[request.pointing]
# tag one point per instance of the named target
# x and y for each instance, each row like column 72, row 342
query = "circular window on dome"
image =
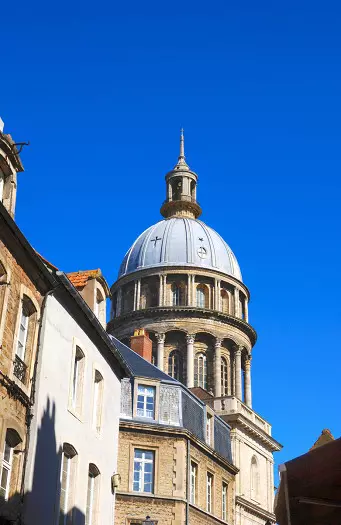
column 202, row 252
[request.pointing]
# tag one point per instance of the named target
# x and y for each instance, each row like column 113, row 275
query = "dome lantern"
column 181, row 183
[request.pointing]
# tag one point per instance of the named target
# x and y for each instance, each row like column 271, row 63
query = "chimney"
column 141, row 344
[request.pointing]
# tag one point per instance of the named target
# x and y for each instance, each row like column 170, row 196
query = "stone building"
column 175, row 458
column 24, row 281
column 181, row 283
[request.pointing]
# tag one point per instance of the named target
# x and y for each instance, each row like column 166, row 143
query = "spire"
column 181, row 158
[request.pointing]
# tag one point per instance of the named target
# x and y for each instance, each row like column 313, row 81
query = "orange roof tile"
column 79, row 279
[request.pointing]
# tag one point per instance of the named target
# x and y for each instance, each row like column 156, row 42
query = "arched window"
column 175, row 365
column 193, row 190
column 200, row 371
column 91, row 516
column 225, row 301
column 97, row 401
column 12, row 439
column 178, row 291
column 224, row 377
column 78, row 366
column 25, row 339
column 99, row 309
column 176, row 189
column 3, row 293
column 254, row 478
column 67, row 484
column 202, row 296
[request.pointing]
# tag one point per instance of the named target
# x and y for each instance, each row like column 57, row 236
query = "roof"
column 201, row 393
column 47, row 263
column 325, row 437
column 80, row 279
column 180, row 241
column 313, row 483
column 138, row 366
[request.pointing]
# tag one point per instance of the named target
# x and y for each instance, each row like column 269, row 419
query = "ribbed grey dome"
column 180, row 242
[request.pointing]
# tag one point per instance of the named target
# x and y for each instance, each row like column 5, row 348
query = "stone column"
column 247, row 382
column 160, row 338
column 218, row 295
column 165, row 302
column 217, row 367
column 190, row 360
column 119, row 302
column 238, row 368
column 160, row 290
column 236, row 303
column 215, row 294
column 246, row 310
column 138, row 295
column 193, row 293
column 135, row 295
column 189, row 289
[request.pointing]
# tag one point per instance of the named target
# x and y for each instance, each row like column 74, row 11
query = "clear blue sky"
column 101, row 90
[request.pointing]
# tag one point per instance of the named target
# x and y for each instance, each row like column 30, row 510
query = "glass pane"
column 149, row 455
column 4, row 478
column 7, row 452
column 138, row 453
column 148, row 467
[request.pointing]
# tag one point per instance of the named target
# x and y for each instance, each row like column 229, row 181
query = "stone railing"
column 233, row 405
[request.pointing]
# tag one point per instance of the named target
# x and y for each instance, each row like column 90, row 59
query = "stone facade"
column 182, row 284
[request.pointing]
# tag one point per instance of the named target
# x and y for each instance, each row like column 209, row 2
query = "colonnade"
column 238, row 351
column 214, row 295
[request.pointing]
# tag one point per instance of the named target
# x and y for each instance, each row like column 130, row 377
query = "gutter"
column 188, row 488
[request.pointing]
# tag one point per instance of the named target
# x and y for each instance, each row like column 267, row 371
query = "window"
column 254, row 478
column 193, row 487
column 178, row 294
column 12, row 440
column 201, row 298
column 225, row 301
column 209, row 492
column 224, row 376
column 77, row 379
column 3, row 293
column 174, row 365
column 1, row 185
column 92, row 496
column 97, row 402
column 143, row 471
column 209, row 428
column 22, row 336
column 224, row 501
column 200, row 371
column 145, row 401
column 67, row 475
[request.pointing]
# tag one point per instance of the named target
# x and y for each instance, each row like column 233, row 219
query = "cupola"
column 181, row 184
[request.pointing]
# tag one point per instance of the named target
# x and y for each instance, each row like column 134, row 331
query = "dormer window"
column 146, row 401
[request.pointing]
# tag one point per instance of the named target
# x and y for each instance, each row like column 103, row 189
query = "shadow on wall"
column 41, row 505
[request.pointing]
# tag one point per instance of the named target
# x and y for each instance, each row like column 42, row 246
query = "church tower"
column 181, row 283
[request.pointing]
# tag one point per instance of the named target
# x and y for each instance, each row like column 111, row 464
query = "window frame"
column 200, row 376
column 193, row 491
column 224, row 500
column 76, row 395
column 91, row 510
column 175, row 364
column 71, row 454
column 209, row 492
column 142, row 391
column 6, row 466
column 97, row 400
column 143, row 461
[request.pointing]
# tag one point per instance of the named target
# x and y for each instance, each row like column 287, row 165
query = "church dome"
column 180, row 241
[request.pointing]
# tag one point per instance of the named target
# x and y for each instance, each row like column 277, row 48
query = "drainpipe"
column 188, row 488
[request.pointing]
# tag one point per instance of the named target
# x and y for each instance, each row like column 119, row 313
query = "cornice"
column 252, row 430
column 131, row 426
column 255, row 509
column 183, row 312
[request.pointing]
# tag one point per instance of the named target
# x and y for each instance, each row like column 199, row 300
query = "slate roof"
column 139, row 366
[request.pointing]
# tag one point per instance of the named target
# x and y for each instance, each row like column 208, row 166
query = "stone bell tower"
column 181, row 283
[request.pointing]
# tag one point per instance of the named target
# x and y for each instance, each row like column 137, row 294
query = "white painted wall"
column 53, row 423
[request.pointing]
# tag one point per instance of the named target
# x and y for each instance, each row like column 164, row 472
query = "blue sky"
column 101, row 91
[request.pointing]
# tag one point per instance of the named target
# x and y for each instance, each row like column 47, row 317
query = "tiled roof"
column 80, row 278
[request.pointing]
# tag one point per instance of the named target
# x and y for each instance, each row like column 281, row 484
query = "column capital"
column 218, row 342
column 247, row 362
column 190, row 338
column 239, row 349
column 160, row 337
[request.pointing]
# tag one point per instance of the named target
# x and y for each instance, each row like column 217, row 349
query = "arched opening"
column 67, row 484
column 175, row 365
column 225, row 373
column 149, row 295
column 176, row 185
column 202, row 296
column 128, row 298
column 193, row 190
column 92, row 495
column 200, row 371
column 254, row 478
column 225, row 301
column 178, row 294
